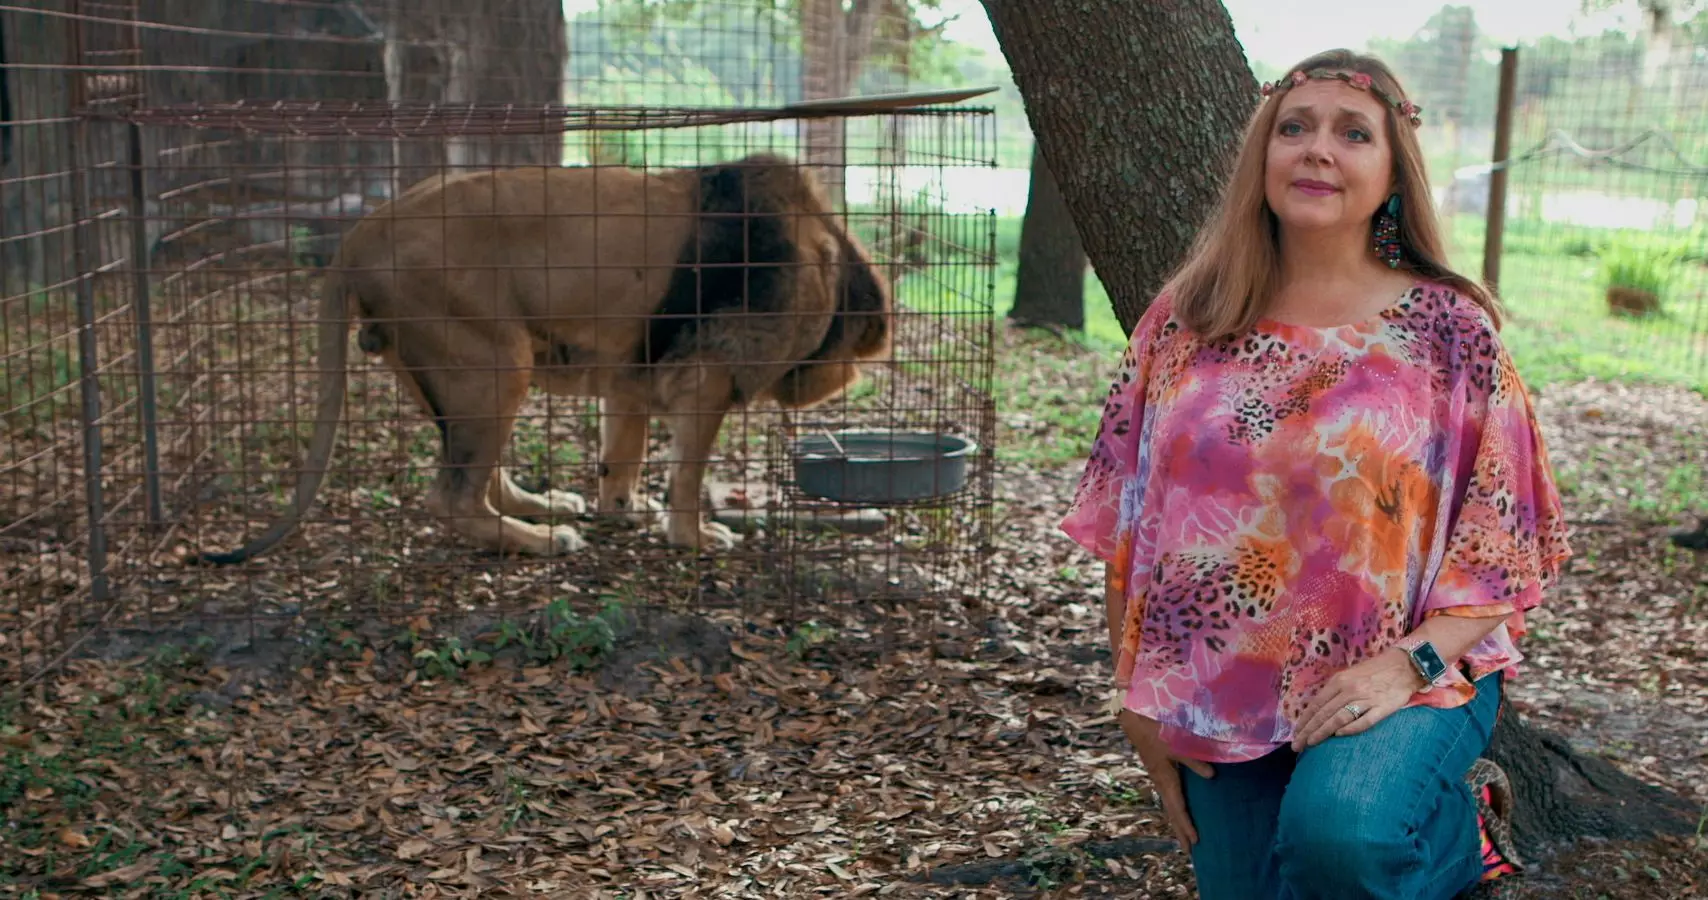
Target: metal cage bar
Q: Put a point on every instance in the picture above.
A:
(197, 223)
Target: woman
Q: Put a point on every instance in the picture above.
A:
(1324, 507)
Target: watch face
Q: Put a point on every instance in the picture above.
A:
(1429, 661)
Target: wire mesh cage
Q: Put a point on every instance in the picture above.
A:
(1606, 231)
(167, 276)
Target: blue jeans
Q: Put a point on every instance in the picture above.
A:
(1383, 814)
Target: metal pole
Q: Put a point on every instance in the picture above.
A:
(1496, 222)
(142, 303)
(87, 347)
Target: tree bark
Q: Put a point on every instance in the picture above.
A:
(834, 47)
(1562, 795)
(1136, 116)
(459, 89)
(496, 51)
(34, 194)
(1049, 289)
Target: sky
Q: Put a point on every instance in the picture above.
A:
(1279, 33)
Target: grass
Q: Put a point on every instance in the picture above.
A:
(60, 779)
(1630, 264)
(1102, 329)
(1553, 280)
(1552, 285)
(53, 777)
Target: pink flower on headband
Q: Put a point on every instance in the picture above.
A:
(1408, 107)
(1361, 81)
(1298, 78)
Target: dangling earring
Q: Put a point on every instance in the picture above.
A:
(1387, 237)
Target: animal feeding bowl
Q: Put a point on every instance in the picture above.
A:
(880, 467)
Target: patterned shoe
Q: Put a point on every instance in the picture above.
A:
(1498, 889)
(1493, 795)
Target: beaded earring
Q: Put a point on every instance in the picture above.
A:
(1387, 235)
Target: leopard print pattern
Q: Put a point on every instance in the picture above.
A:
(1282, 504)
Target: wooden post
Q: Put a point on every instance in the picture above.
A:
(1496, 219)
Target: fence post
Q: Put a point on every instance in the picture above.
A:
(88, 347)
(88, 358)
(142, 303)
(1495, 229)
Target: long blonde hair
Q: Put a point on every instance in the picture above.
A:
(1226, 282)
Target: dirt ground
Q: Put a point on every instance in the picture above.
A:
(760, 759)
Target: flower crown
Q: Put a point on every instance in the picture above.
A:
(1359, 80)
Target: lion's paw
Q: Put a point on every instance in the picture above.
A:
(635, 510)
(565, 540)
(564, 503)
(709, 536)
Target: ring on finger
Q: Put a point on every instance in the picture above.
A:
(1356, 710)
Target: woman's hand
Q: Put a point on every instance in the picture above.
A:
(1380, 686)
(1142, 734)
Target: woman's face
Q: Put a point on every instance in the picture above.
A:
(1329, 165)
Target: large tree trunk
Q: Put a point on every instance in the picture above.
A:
(498, 51)
(458, 62)
(834, 46)
(35, 191)
(1049, 288)
(1562, 795)
(1135, 117)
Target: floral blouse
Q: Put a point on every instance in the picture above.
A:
(1278, 506)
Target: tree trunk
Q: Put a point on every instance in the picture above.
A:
(834, 46)
(1049, 289)
(392, 62)
(1562, 796)
(35, 192)
(499, 51)
(1136, 117)
(459, 90)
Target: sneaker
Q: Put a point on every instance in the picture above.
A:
(1493, 796)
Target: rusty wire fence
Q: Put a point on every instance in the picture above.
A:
(172, 214)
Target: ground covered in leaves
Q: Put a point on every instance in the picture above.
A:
(799, 757)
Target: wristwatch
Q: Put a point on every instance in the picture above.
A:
(1424, 658)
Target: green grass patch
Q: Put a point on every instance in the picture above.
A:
(1638, 265)
(55, 781)
(1553, 277)
(1553, 283)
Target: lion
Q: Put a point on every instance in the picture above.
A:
(687, 293)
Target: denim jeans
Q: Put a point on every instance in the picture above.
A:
(1383, 814)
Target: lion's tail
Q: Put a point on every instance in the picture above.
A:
(336, 308)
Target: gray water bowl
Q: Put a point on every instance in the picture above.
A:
(881, 466)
